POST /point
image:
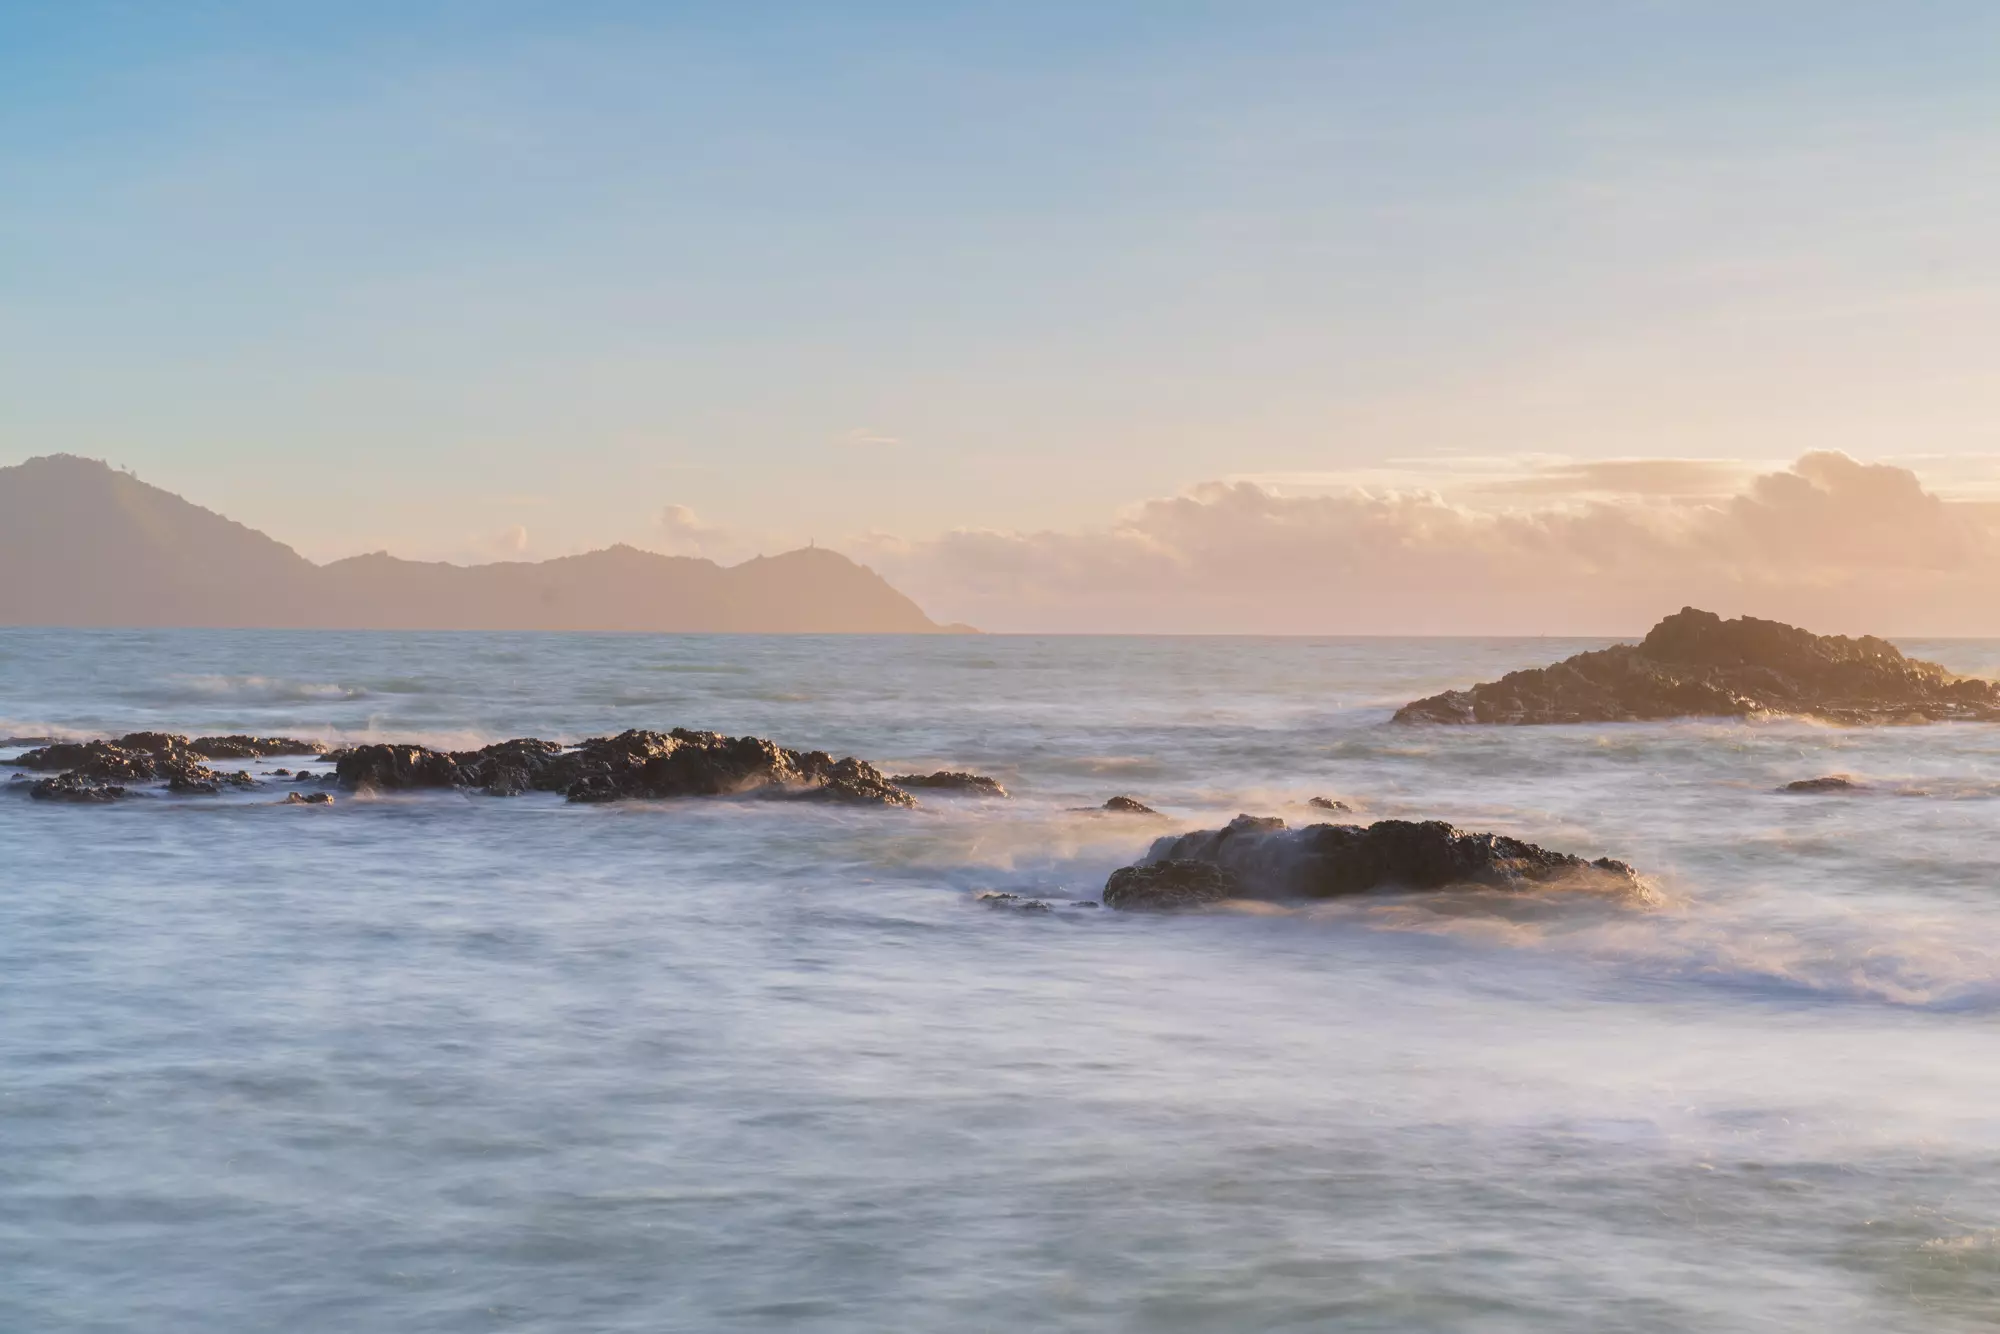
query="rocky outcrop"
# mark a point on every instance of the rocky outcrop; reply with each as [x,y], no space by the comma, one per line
[137,757]
[1830,783]
[1262,858]
[76,787]
[1328,804]
[680,763]
[1126,806]
[951,781]
[1174,883]
[1695,664]
[307,799]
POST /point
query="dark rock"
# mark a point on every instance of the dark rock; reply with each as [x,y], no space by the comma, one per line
[252,747]
[393,768]
[279,773]
[1018,902]
[685,763]
[1127,806]
[1170,883]
[951,781]
[1329,860]
[75,787]
[190,778]
[109,761]
[1695,664]
[1831,783]
[307,799]
[1328,804]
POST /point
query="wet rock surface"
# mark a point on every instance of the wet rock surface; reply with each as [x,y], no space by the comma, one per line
[952,781]
[1695,664]
[1328,804]
[1262,858]
[1169,884]
[307,799]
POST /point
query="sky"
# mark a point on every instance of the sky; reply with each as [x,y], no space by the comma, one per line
[1052,312]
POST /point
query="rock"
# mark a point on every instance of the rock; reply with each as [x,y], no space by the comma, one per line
[685,763]
[191,779]
[307,799]
[1695,664]
[252,747]
[279,773]
[76,787]
[108,761]
[1319,861]
[395,768]
[631,764]
[1018,902]
[1328,804]
[1127,806]
[1171,883]
[1830,783]
[952,781]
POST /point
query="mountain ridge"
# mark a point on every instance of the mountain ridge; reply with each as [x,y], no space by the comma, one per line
[86,544]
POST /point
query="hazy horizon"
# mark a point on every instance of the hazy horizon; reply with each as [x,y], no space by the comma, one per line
[1291,318]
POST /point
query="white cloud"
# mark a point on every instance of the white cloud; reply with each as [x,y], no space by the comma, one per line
[1827,542]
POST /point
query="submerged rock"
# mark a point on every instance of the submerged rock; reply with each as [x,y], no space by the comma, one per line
[1695,664]
[1328,804]
[1172,883]
[1830,783]
[952,781]
[307,799]
[1264,859]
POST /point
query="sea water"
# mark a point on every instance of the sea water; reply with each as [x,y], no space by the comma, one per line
[446,1062]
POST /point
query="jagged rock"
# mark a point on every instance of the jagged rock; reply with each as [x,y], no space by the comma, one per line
[1170,883]
[1328,804]
[307,799]
[75,787]
[1831,783]
[1268,860]
[252,747]
[393,768]
[191,779]
[1695,664]
[685,763]
[952,781]
[1127,806]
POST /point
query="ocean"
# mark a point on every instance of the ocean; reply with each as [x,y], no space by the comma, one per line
[446,1062]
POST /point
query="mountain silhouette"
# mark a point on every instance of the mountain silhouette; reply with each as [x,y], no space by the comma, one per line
[84,544]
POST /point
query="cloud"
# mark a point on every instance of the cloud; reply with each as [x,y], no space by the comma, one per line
[1828,542]
[679,531]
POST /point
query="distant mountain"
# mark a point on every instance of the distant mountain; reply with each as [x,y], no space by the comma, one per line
[84,544]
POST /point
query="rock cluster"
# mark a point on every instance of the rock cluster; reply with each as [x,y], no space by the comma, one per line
[1253,857]
[680,763]
[1695,664]
[97,770]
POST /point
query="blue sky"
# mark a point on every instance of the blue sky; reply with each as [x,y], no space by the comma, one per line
[422,276]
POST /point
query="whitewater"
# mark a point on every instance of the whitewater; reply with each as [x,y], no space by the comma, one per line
[445,1062]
